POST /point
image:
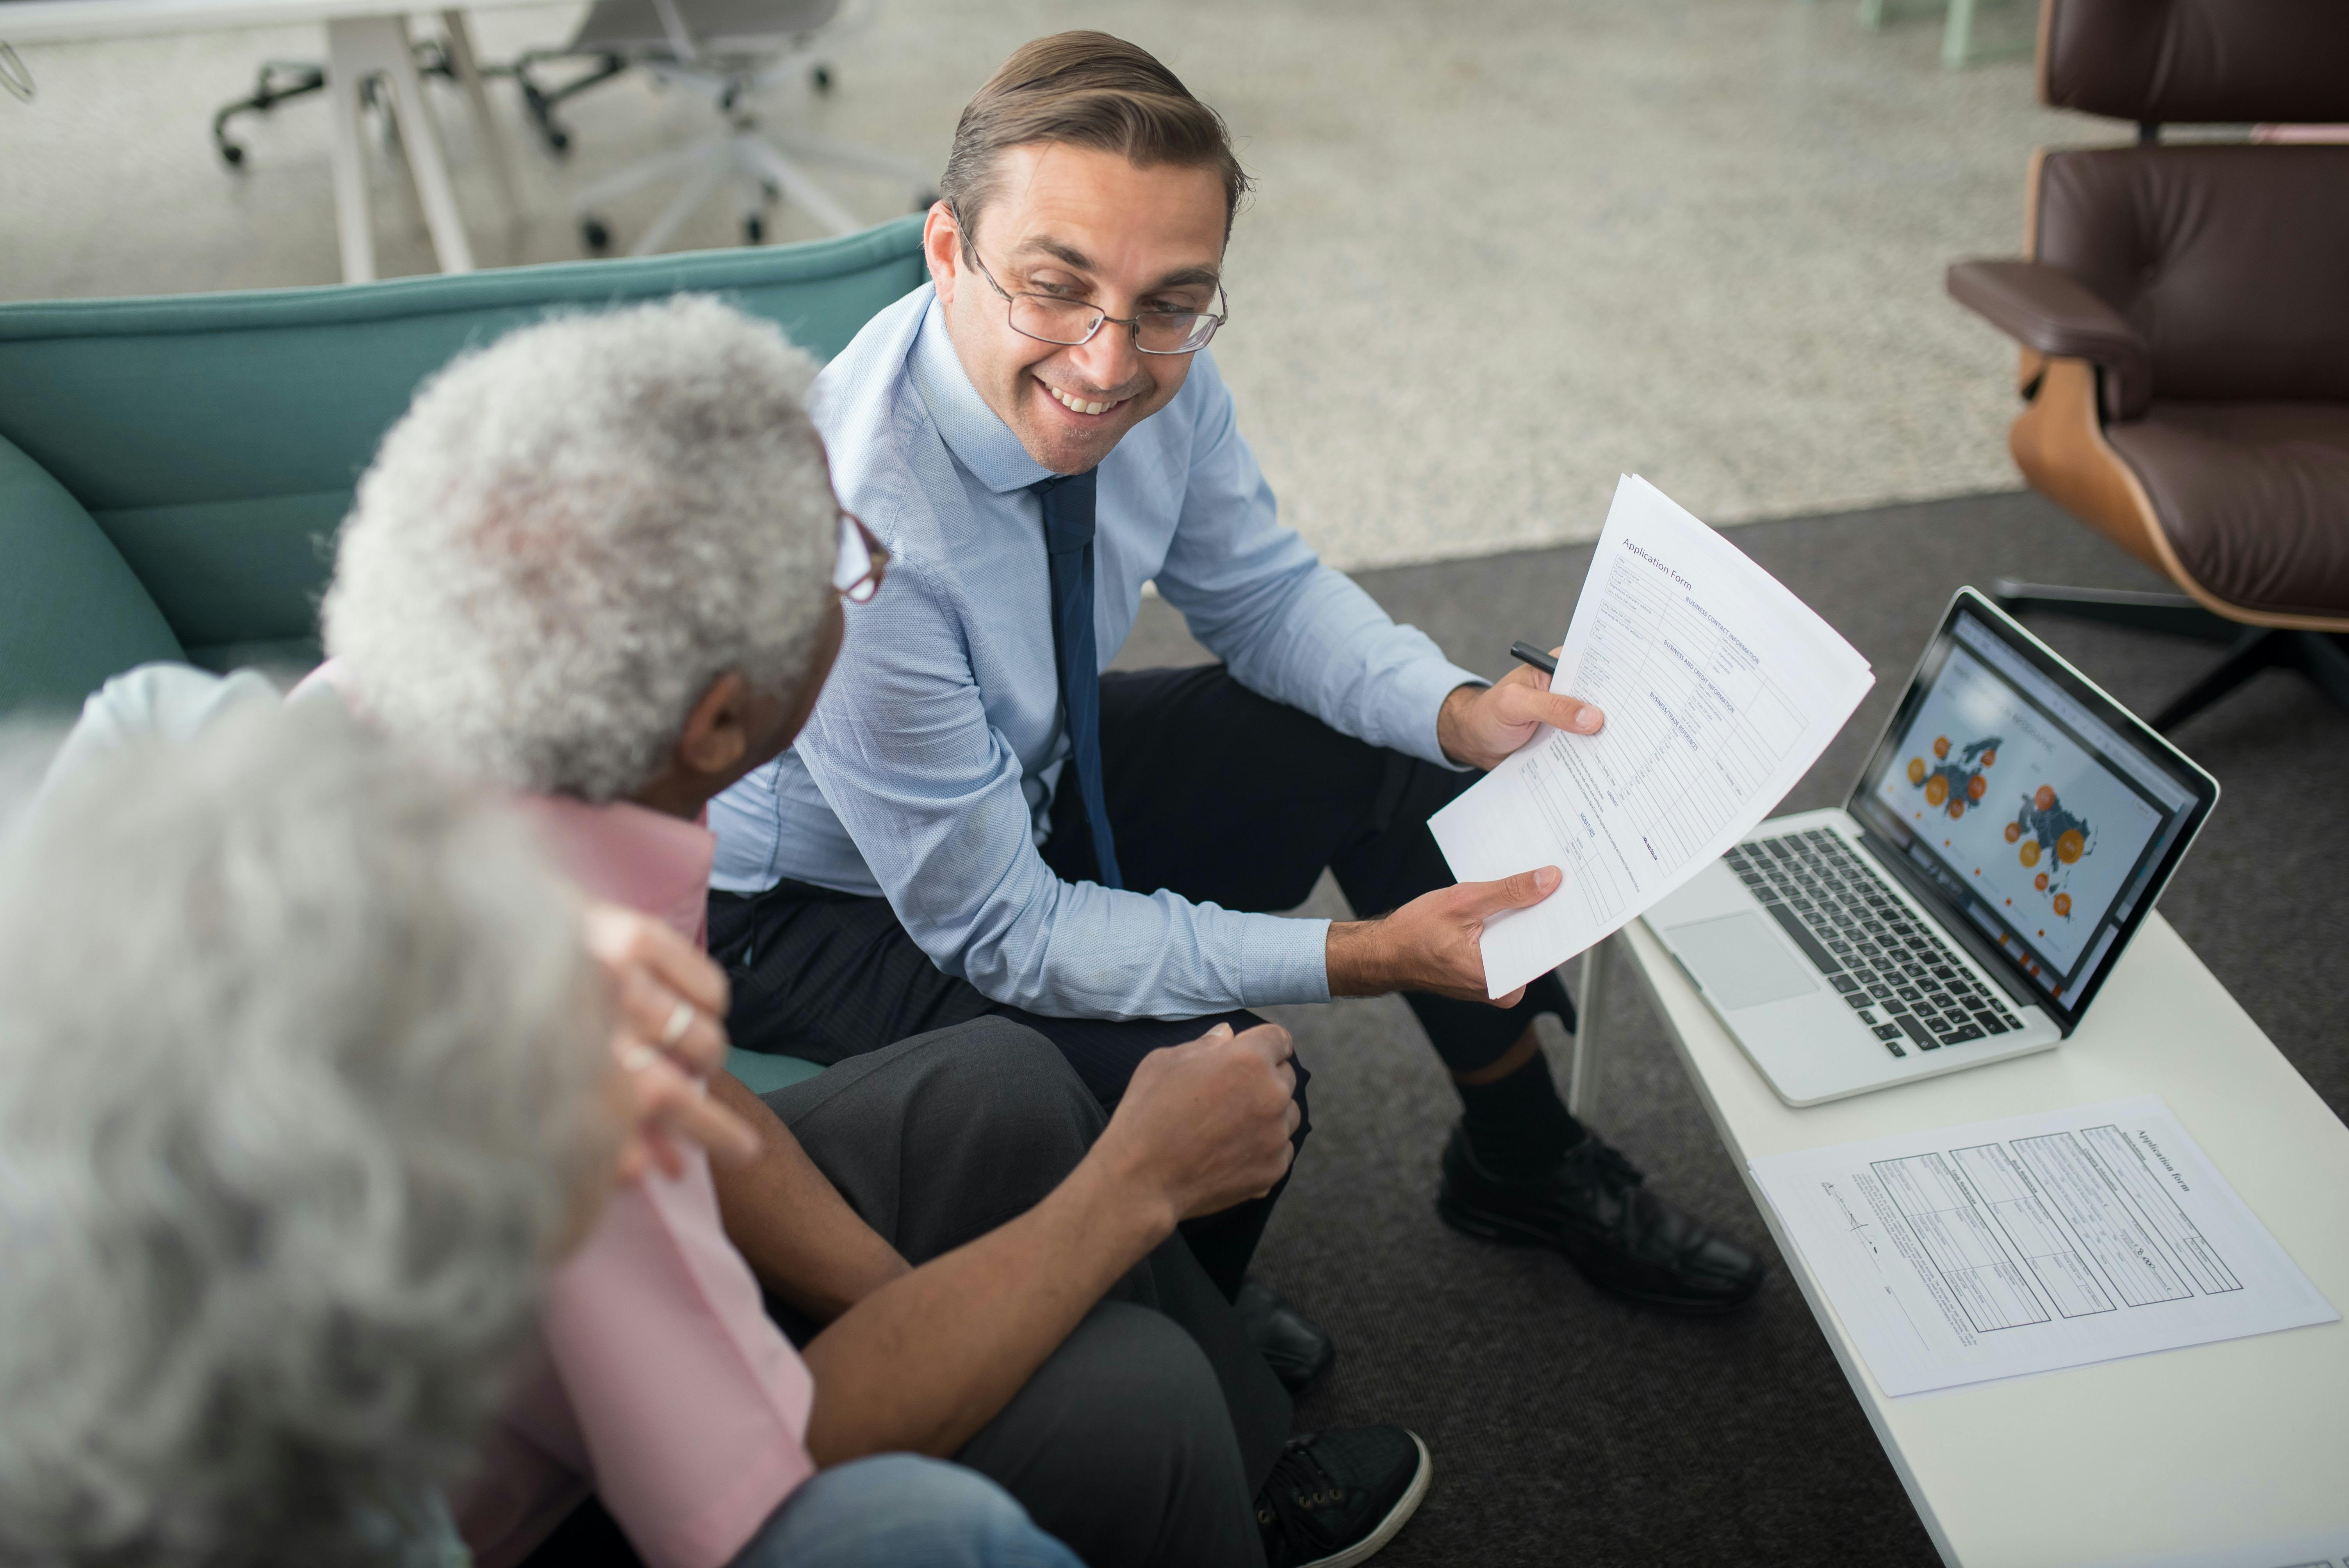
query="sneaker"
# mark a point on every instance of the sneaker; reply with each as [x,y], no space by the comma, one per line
[1593,1207]
[1336,1498]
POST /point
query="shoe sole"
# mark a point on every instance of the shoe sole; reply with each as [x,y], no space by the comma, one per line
[1509,1233]
[1370,1545]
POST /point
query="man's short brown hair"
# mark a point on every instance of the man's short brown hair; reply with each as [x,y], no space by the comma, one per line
[1086,89]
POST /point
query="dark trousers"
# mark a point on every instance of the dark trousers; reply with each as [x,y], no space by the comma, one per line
[1142,1440]
[1213,791]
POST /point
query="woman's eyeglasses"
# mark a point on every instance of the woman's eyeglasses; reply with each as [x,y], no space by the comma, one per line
[857,570]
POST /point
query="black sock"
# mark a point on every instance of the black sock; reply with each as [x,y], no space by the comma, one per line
[1517,1127]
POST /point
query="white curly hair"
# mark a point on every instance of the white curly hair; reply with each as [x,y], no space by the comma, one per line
[572,532]
[302,1078]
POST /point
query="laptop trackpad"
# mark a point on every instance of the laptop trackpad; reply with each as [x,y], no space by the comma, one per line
[1739,960]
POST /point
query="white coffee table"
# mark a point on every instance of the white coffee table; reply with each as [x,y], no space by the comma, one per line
[2233,1445]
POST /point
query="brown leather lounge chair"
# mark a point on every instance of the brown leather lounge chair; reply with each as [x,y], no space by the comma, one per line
[2183,311]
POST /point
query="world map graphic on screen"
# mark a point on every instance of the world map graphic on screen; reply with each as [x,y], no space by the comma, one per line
[2049,840]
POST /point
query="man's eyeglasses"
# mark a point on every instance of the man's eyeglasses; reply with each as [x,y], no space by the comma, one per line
[1048,318]
[857,570]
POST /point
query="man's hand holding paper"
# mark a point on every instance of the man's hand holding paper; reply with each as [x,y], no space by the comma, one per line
[1481,727]
[1721,690]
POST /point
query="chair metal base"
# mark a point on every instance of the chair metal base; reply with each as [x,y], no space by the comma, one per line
[541,102]
[760,165]
[2323,657]
[279,80]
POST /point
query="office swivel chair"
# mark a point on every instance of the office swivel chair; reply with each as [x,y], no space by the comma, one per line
[2183,312]
[728,51]
[281,81]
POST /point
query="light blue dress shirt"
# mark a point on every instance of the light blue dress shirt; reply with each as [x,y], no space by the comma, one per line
[927,773]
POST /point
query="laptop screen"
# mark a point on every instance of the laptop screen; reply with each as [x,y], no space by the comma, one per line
[2031,802]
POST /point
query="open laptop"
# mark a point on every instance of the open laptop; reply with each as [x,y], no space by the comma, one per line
[2007,838]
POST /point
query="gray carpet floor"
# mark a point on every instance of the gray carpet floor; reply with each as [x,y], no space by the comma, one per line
[1568,1428]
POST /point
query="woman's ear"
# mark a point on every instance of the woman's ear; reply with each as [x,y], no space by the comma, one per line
[715,738]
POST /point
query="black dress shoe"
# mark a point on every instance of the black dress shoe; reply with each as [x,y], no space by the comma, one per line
[1593,1208]
[1336,1498]
[1297,1351]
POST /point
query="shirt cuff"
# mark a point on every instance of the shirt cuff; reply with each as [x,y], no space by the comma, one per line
[1287,960]
[1418,694]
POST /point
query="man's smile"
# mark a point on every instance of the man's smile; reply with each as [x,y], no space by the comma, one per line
[1090,407]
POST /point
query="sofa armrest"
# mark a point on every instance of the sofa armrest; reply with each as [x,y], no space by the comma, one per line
[2047,309]
[71,611]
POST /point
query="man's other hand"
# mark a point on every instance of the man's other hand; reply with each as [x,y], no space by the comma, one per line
[1432,943]
[1479,726]
[1207,1125]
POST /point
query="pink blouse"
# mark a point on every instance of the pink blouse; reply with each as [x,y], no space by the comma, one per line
[657,1380]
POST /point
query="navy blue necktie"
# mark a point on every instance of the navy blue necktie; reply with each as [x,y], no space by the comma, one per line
[1069,551]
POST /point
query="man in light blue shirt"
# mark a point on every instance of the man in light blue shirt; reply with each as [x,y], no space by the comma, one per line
[977,821]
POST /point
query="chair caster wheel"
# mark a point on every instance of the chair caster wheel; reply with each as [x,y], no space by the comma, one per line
[592,231]
[231,154]
[754,230]
[560,140]
[821,79]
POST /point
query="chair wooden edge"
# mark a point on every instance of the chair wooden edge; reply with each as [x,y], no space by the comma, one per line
[2058,442]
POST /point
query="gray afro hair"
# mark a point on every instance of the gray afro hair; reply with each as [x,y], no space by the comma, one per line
[302,1068]
[573,532]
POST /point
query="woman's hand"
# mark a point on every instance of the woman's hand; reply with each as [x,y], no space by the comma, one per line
[669,1036]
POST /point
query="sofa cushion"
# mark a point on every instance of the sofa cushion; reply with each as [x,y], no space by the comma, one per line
[71,612]
[763,1074]
[216,437]
[2254,497]
[2229,263]
[2197,61]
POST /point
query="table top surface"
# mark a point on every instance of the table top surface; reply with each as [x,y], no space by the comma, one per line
[2214,1446]
[51,21]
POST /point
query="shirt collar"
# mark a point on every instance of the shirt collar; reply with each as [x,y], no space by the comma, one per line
[622,852]
[979,440]
[653,864]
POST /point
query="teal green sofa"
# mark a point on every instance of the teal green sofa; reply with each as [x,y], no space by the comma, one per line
[173,471]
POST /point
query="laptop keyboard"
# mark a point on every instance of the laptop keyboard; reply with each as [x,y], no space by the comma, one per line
[1897,974]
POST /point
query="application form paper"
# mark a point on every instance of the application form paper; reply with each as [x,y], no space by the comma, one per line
[1720,688]
[2031,1244]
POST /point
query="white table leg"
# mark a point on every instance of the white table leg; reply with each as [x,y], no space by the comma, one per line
[354,223]
[1589,1009]
[356,48]
[485,130]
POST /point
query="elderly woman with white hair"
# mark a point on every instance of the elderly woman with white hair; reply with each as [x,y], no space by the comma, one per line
[600,563]
[304,1087]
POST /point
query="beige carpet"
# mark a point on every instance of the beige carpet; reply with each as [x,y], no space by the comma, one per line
[1501,252]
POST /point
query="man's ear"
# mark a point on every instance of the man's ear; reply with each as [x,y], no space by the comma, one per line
[942,249]
[714,738]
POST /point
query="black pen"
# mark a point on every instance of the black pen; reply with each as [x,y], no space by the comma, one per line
[1527,653]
